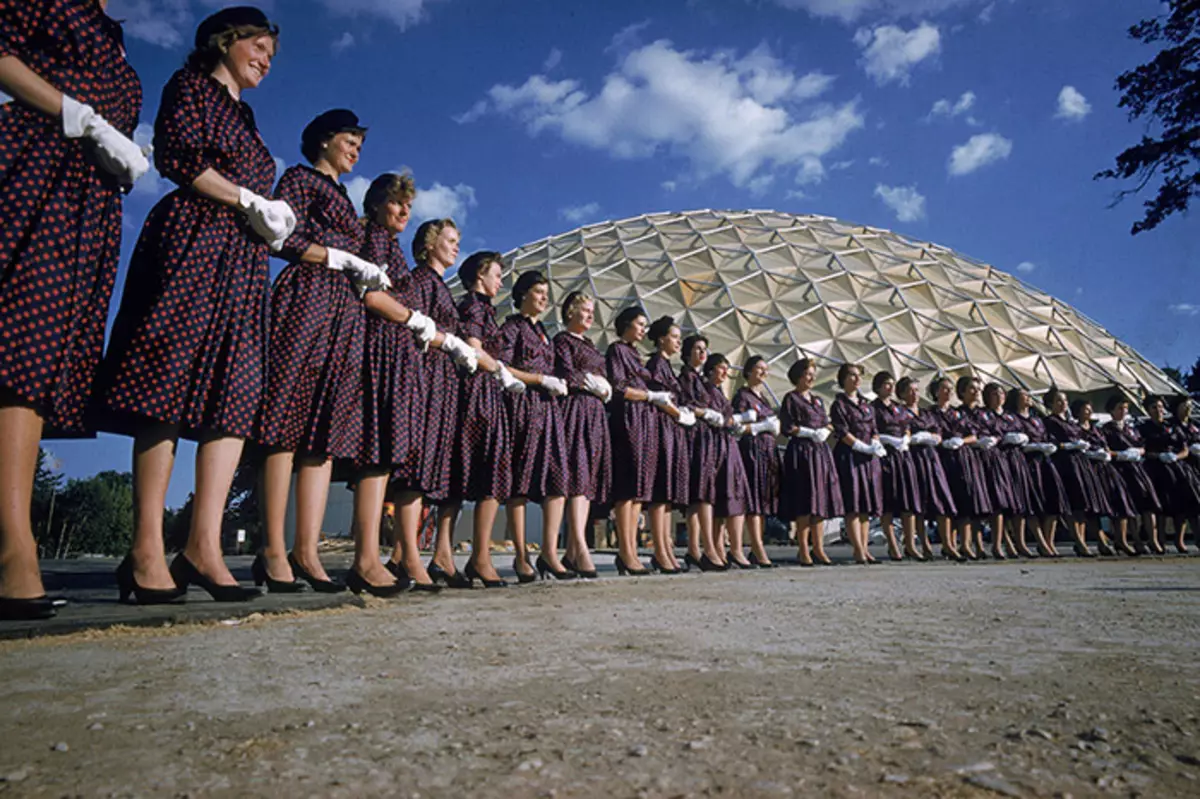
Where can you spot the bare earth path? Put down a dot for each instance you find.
(1030, 679)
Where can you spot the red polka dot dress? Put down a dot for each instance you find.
(394, 389)
(539, 447)
(585, 422)
(634, 426)
(187, 347)
(760, 456)
(426, 292)
(313, 399)
(702, 438)
(733, 487)
(60, 236)
(482, 464)
(672, 474)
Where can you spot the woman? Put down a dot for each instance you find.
(1025, 493)
(812, 493)
(582, 367)
(857, 454)
(1181, 409)
(937, 499)
(961, 464)
(1166, 451)
(984, 418)
(1119, 502)
(539, 445)
(312, 400)
(1050, 495)
(65, 154)
(1083, 488)
(1122, 438)
(732, 485)
(703, 552)
(634, 434)
(898, 472)
(672, 475)
(198, 376)
(760, 455)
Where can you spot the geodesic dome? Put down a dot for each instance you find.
(784, 286)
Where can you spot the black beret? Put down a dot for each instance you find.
(232, 17)
(328, 124)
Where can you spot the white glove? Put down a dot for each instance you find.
(115, 151)
(1131, 455)
(924, 438)
(422, 327)
(823, 434)
(895, 442)
(984, 442)
(746, 417)
(1018, 439)
(806, 432)
(1168, 457)
(686, 417)
(1194, 449)
(598, 386)
(554, 386)
(463, 353)
(1049, 448)
(659, 398)
(952, 443)
(273, 220)
(1099, 455)
(365, 273)
(863, 447)
(713, 417)
(1075, 446)
(511, 384)
(765, 426)
(880, 449)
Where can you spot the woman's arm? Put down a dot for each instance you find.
(28, 87)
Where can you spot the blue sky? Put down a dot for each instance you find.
(976, 124)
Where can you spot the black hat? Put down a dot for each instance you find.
(326, 126)
(232, 17)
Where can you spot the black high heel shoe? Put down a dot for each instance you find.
(754, 561)
(954, 555)
(359, 585)
(733, 562)
(32, 609)
(689, 561)
(455, 580)
(913, 554)
(543, 568)
(127, 584)
(707, 564)
(522, 577)
(258, 570)
(590, 574)
(1082, 551)
(473, 574)
(623, 570)
(318, 585)
(401, 574)
(661, 569)
(185, 573)
(1106, 549)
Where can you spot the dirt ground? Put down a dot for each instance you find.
(990, 679)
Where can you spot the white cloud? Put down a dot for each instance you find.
(403, 13)
(978, 151)
(166, 23)
(1184, 308)
(1026, 267)
(343, 42)
(440, 202)
(552, 60)
(280, 166)
(579, 213)
(723, 114)
(627, 38)
(357, 187)
(1072, 106)
(985, 16)
(890, 52)
(849, 11)
(668, 185)
(877, 160)
(907, 203)
(758, 185)
(948, 109)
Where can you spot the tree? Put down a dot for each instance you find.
(1166, 91)
(1173, 373)
(93, 515)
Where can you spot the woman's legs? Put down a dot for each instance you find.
(997, 537)
(966, 535)
(908, 526)
(368, 513)
(312, 494)
(889, 532)
(756, 527)
(20, 435)
(736, 525)
(407, 552)
(627, 512)
(854, 523)
(216, 460)
(816, 531)
(660, 534)
(481, 539)
(552, 516)
(515, 516)
(804, 540)
(579, 508)
(276, 483)
(443, 543)
(153, 459)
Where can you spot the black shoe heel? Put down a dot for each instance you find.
(359, 585)
(661, 569)
(473, 574)
(543, 569)
(590, 574)
(624, 570)
(258, 570)
(707, 564)
(127, 586)
(33, 609)
(737, 563)
(455, 580)
(401, 574)
(185, 573)
(522, 577)
(318, 585)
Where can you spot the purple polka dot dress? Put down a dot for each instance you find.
(809, 483)
(1051, 494)
(482, 463)
(585, 421)
(702, 466)
(937, 498)
(760, 456)
(997, 476)
(1178, 489)
(962, 466)
(733, 487)
(1120, 437)
(1191, 435)
(187, 347)
(1026, 494)
(859, 474)
(313, 402)
(539, 461)
(1116, 493)
(634, 426)
(672, 474)
(898, 472)
(60, 239)
(394, 391)
(1084, 492)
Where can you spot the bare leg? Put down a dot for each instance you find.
(579, 509)
(997, 537)
(408, 553)
(720, 542)
(803, 539)
(756, 527)
(1018, 541)
(659, 534)
(443, 543)
(20, 434)
(1122, 531)
(368, 513)
(853, 523)
(1049, 529)
(908, 526)
(1079, 533)
(693, 527)
(481, 542)
(216, 461)
(312, 495)
(923, 531)
(1150, 532)
(736, 525)
(949, 536)
(889, 532)
(153, 460)
(627, 516)
(276, 485)
(816, 530)
(515, 514)
(552, 516)
(708, 539)
(967, 534)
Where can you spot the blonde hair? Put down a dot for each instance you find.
(427, 236)
(574, 304)
(388, 188)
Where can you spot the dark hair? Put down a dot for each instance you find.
(388, 187)
(960, 387)
(797, 370)
(1175, 402)
(935, 385)
(1012, 398)
(714, 360)
(216, 34)
(476, 264)
(427, 236)
(661, 327)
(324, 127)
(526, 283)
(751, 362)
(1077, 406)
(626, 318)
(844, 372)
(993, 388)
(1151, 400)
(1051, 395)
(880, 378)
(1113, 402)
(690, 343)
(903, 385)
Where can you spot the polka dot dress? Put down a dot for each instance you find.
(539, 461)
(760, 456)
(585, 422)
(634, 426)
(187, 347)
(672, 475)
(482, 463)
(61, 234)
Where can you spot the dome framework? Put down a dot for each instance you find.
(786, 286)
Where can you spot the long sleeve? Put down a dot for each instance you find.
(183, 145)
(509, 333)
(789, 413)
(692, 393)
(316, 208)
(566, 366)
(839, 417)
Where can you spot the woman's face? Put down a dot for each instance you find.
(852, 381)
(582, 319)
(1183, 412)
(1085, 413)
(1059, 406)
(911, 393)
(807, 379)
(670, 344)
(1120, 411)
(758, 375)
(719, 373)
(884, 392)
(536, 300)
(249, 60)
(1024, 401)
(445, 249)
(342, 151)
(993, 399)
(636, 330)
(971, 394)
(489, 280)
(1156, 411)
(699, 355)
(396, 215)
(944, 390)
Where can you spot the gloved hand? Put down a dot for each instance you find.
(686, 417)
(273, 220)
(1048, 448)
(952, 443)
(805, 432)
(823, 434)
(1194, 449)
(895, 442)
(511, 384)
(924, 438)
(598, 386)
(553, 386)
(1017, 439)
(463, 353)
(1099, 455)
(1168, 457)
(116, 152)
(1131, 455)
(765, 426)
(422, 326)
(362, 272)
(985, 442)
(713, 417)
(880, 449)
(746, 417)
(1074, 446)
(863, 447)
(659, 398)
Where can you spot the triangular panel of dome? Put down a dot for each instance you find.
(699, 266)
(734, 265)
(603, 255)
(780, 259)
(1063, 372)
(651, 273)
(705, 297)
(633, 229)
(647, 248)
(724, 332)
(726, 236)
(835, 289)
